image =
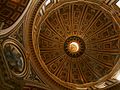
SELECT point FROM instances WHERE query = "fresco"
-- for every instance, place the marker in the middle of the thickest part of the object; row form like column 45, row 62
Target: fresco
column 14, row 58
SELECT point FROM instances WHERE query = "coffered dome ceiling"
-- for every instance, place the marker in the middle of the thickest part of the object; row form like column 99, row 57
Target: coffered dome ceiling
column 77, row 43
column 10, row 11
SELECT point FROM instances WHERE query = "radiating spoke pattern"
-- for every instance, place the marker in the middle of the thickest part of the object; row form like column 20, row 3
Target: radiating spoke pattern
column 87, row 25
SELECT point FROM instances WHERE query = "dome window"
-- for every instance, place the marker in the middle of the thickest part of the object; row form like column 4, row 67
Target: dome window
column 118, row 3
column 47, row 2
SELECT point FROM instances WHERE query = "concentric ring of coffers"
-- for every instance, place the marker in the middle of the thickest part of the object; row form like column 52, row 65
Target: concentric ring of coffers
column 94, row 25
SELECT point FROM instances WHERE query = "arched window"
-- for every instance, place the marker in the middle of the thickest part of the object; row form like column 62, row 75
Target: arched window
column 117, row 76
column 47, row 2
column 118, row 3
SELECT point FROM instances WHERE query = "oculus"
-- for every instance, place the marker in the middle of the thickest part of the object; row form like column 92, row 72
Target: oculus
column 74, row 46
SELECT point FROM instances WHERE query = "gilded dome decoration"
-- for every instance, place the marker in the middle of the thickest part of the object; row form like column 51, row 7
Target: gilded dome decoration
column 76, row 44
column 59, row 44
